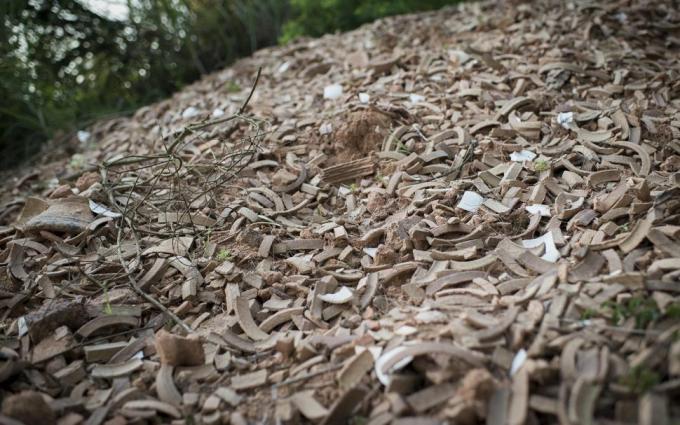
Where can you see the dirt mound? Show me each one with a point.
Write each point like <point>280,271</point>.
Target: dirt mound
<point>360,133</point>
<point>509,255</point>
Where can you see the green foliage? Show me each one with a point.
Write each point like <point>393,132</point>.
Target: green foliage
<point>107,304</point>
<point>644,310</point>
<point>223,255</point>
<point>317,17</point>
<point>673,311</point>
<point>62,65</point>
<point>641,379</point>
<point>233,87</point>
<point>401,148</point>
<point>588,313</point>
<point>541,165</point>
<point>358,420</point>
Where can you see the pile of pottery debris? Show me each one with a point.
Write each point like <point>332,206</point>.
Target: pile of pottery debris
<point>467,216</point>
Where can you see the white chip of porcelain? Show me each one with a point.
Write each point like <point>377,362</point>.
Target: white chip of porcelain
<point>283,67</point>
<point>189,112</point>
<point>518,361</point>
<point>23,326</point>
<point>406,330</point>
<point>342,296</point>
<point>102,210</point>
<point>565,119</point>
<point>325,128</point>
<point>522,156</point>
<point>551,253</point>
<point>471,201</point>
<point>84,136</point>
<point>540,209</point>
<point>333,91</point>
<point>383,377</point>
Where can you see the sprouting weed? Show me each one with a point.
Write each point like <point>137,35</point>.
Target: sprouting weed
<point>673,311</point>
<point>541,165</point>
<point>206,243</point>
<point>233,87</point>
<point>402,147</point>
<point>588,313</point>
<point>224,255</point>
<point>77,161</point>
<point>107,302</point>
<point>641,379</point>
<point>359,420</point>
<point>644,310</point>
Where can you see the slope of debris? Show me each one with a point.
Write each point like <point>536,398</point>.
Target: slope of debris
<point>468,216</point>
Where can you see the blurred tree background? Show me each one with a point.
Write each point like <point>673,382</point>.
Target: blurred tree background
<point>65,63</point>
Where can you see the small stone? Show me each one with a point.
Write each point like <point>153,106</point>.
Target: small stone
<point>373,325</point>
<point>283,177</point>
<point>385,255</point>
<point>285,346</point>
<point>271,277</point>
<point>476,388</point>
<point>28,407</point>
<point>62,191</point>
<point>86,180</point>
<point>95,192</point>
<point>352,322</point>
<point>178,350</point>
<point>374,202</point>
<point>249,237</point>
<point>211,403</point>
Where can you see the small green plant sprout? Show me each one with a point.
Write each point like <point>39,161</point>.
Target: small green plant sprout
<point>644,310</point>
<point>223,255</point>
<point>673,311</point>
<point>77,161</point>
<point>233,87</point>
<point>107,302</point>
<point>106,308</point>
<point>359,420</point>
<point>588,313</point>
<point>541,165</point>
<point>401,147</point>
<point>208,248</point>
<point>640,379</point>
<point>353,187</point>
<point>624,228</point>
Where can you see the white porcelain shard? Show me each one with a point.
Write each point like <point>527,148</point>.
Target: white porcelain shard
<point>333,91</point>
<point>551,253</point>
<point>471,201</point>
<point>540,209</point>
<point>523,155</point>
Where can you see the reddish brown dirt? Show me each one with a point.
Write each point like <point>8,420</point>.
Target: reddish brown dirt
<point>359,133</point>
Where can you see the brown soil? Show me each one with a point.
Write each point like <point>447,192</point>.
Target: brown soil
<point>360,133</point>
